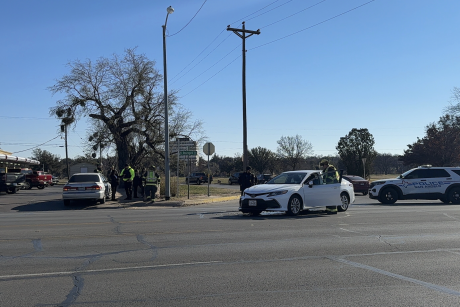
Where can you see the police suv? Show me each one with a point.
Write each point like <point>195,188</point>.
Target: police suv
<point>424,182</point>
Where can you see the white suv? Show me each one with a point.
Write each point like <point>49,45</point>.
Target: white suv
<point>424,182</point>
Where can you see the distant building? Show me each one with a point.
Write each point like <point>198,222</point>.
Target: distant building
<point>82,168</point>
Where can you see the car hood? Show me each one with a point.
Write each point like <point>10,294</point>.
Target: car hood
<point>261,188</point>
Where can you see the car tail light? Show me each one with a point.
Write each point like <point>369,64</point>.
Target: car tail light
<point>69,188</point>
<point>93,188</point>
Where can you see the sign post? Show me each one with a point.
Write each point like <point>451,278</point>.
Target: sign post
<point>208,150</point>
<point>188,153</point>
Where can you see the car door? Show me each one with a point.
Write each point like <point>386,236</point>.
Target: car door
<point>320,194</point>
<point>411,183</point>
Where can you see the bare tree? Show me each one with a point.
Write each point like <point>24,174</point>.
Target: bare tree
<point>261,159</point>
<point>124,94</point>
<point>293,149</point>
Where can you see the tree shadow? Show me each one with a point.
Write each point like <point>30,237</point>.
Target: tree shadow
<point>58,205</point>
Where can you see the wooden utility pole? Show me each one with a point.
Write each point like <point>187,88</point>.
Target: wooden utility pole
<point>245,131</point>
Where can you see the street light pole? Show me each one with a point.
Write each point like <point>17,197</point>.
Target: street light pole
<point>170,10</point>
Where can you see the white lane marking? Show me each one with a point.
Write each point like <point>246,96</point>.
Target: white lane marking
<point>412,280</point>
<point>107,270</point>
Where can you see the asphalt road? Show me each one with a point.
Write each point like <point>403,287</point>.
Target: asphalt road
<point>405,254</point>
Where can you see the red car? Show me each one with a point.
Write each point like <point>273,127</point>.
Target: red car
<point>360,184</point>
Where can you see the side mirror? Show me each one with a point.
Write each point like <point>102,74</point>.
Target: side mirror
<point>310,184</point>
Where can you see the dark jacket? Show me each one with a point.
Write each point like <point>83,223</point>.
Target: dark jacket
<point>246,180</point>
<point>114,177</point>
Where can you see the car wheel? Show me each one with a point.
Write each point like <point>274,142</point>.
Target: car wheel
<point>365,193</point>
<point>255,213</point>
<point>11,191</point>
<point>66,202</point>
<point>230,182</point>
<point>389,196</point>
<point>345,199</point>
<point>41,186</point>
<point>198,182</point>
<point>28,185</point>
<point>294,205</point>
<point>454,195</point>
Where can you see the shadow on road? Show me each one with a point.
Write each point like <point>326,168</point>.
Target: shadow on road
<point>276,216</point>
<point>58,205</point>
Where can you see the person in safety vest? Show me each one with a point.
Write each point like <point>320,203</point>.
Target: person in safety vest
<point>151,181</point>
<point>330,175</point>
<point>128,176</point>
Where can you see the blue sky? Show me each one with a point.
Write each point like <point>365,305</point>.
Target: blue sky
<point>388,66</point>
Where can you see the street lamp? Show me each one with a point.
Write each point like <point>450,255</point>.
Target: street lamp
<point>170,10</point>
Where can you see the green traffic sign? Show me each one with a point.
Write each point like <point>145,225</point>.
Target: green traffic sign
<point>188,153</point>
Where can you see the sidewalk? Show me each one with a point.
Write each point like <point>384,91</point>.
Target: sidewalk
<point>173,202</point>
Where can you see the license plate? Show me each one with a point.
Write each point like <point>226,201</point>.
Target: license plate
<point>361,183</point>
<point>81,188</point>
<point>253,203</point>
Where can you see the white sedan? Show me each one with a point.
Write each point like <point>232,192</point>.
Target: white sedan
<point>86,186</point>
<point>294,191</point>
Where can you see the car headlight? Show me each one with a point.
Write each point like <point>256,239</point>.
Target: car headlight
<point>278,193</point>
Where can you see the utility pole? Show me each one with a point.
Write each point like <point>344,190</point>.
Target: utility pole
<point>245,131</point>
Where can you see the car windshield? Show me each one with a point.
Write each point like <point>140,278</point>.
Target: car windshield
<point>288,178</point>
<point>403,175</point>
<point>355,178</point>
<point>85,178</point>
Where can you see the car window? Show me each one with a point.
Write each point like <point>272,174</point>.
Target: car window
<point>416,174</point>
<point>315,178</point>
<point>84,178</point>
<point>288,178</point>
<point>456,171</point>
<point>436,173</point>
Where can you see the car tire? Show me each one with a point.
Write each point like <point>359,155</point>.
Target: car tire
<point>28,185</point>
<point>11,191</point>
<point>294,205</point>
<point>454,195</point>
<point>230,182</point>
<point>365,193</point>
<point>41,187</point>
<point>255,213</point>
<point>389,196</point>
<point>66,202</point>
<point>345,199</point>
<point>198,182</point>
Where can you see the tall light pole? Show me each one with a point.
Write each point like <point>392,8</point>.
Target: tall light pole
<point>170,10</point>
<point>364,165</point>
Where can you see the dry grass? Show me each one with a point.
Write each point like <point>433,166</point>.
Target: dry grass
<point>374,177</point>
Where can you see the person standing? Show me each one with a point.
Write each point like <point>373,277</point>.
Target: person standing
<point>128,176</point>
<point>113,181</point>
<point>330,175</point>
<point>151,180</point>
<point>98,169</point>
<point>246,179</point>
<point>137,182</point>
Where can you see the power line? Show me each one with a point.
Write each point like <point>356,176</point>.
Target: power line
<point>203,58</point>
<point>190,20</point>
<point>317,24</point>
<point>212,76</point>
<point>261,10</point>
<point>292,15</point>
<point>37,145</point>
<point>210,66</point>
